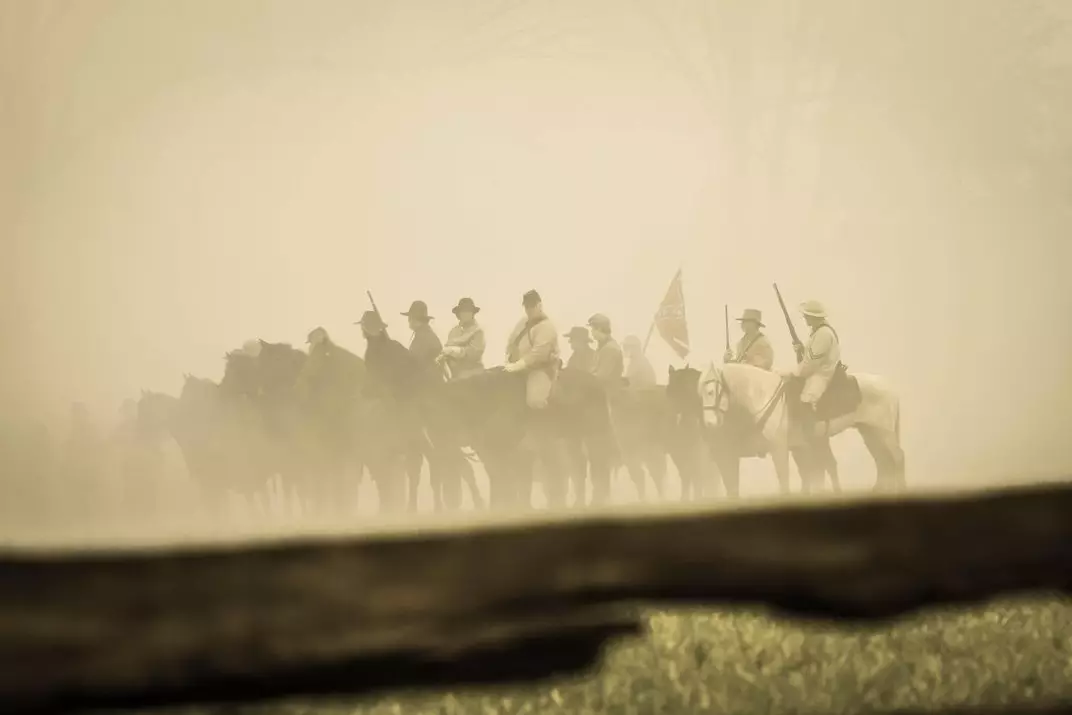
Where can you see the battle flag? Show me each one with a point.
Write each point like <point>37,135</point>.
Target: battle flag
<point>670,319</point>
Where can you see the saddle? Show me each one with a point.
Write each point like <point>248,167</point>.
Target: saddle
<point>842,395</point>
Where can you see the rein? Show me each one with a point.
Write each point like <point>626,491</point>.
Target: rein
<point>764,414</point>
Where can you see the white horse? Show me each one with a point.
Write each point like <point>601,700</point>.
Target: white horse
<point>763,395</point>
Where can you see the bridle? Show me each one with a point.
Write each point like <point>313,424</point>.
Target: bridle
<point>722,394</point>
<point>721,390</point>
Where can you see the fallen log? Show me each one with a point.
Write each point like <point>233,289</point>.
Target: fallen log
<point>494,604</point>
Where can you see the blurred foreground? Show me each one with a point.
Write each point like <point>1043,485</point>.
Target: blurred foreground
<point>1012,652</point>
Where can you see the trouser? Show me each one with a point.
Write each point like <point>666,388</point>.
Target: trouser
<point>538,383</point>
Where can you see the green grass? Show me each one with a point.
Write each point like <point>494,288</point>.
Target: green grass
<point>747,662</point>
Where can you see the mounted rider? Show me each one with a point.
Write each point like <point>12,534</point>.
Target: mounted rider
<point>464,352</point>
<point>391,368</point>
<point>821,356</point>
<point>609,364</point>
<point>639,373</point>
<point>754,348</point>
<point>582,356</point>
<point>533,349</point>
<point>425,345</point>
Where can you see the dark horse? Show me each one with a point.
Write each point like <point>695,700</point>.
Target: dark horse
<point>264,390</point>
<point>487,412</point>
<point>329,388</point>
<point>689,443</point>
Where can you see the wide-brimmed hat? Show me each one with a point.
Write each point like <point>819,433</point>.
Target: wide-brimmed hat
<point>813,308</point>
<point>372,320</point>
<point>578,333</point>
<point>531,298</point>
<point>465,304</point>
<point>753,315</point>
<point>600,322</point>
<point>418,309</point>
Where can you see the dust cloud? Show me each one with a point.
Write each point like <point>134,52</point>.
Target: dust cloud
<point>181,177</point>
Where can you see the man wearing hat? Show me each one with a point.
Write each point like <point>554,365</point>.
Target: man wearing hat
<point>754,348</point>
<point>425,345</point>
<point>821,356</point>
<point>464,353</point>
<point>609,364</point>
<point>533,349</point>
<point>638,370</point>
<point>391,369</point>
<point>582,356</point>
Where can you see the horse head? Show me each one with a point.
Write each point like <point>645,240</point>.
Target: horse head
<point>681,388</point>
<point>155,410</point>
<point>714,395</point>
<point>280,365</point>
<point>197,389</point>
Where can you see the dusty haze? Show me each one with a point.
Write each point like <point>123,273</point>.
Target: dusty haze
<point>182,176</point>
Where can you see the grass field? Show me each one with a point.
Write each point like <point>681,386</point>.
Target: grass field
<point>1015,651</point>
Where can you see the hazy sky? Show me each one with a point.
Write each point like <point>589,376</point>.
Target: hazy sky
<point>191,174</point>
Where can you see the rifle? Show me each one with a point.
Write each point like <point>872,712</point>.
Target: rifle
<point>726,322</point>
<point>376,310</point>
<point>798,346</point>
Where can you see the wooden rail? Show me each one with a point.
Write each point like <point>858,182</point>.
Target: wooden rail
<point>492,604</point>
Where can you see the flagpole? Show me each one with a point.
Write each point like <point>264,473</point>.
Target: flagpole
<point>651,329</point>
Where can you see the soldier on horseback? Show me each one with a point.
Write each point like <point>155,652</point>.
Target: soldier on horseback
<point>391,383</point>
<point>609,364</point>
<point>425,345</point>
<point>821,357</point>
<point>464,353</point>
<point>582,356</point>
<point>533,351</point>
<point>754,348</point>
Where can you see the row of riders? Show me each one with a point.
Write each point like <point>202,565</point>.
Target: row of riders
<point>316,419</point>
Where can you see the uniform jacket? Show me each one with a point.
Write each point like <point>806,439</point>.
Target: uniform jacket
<point>534,344</point>
<point>583,359</point>
<point>821,358</point>
<point>756,351</point>
<point>609,364</point>
<point>470,338</point>
<point>425,348</point>
<point>639,372</point>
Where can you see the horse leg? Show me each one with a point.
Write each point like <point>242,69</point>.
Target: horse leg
<point>880,454</point>
<point>601,453</point>
<point>830,466</point>
<point>577,464</point>
<point>655,461</point>
<point>727,460</point>
<point>413,463</point>
<point>780,456</point>
<point>809,466</point>
<point>636,474</point>
<point>468,478</point>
